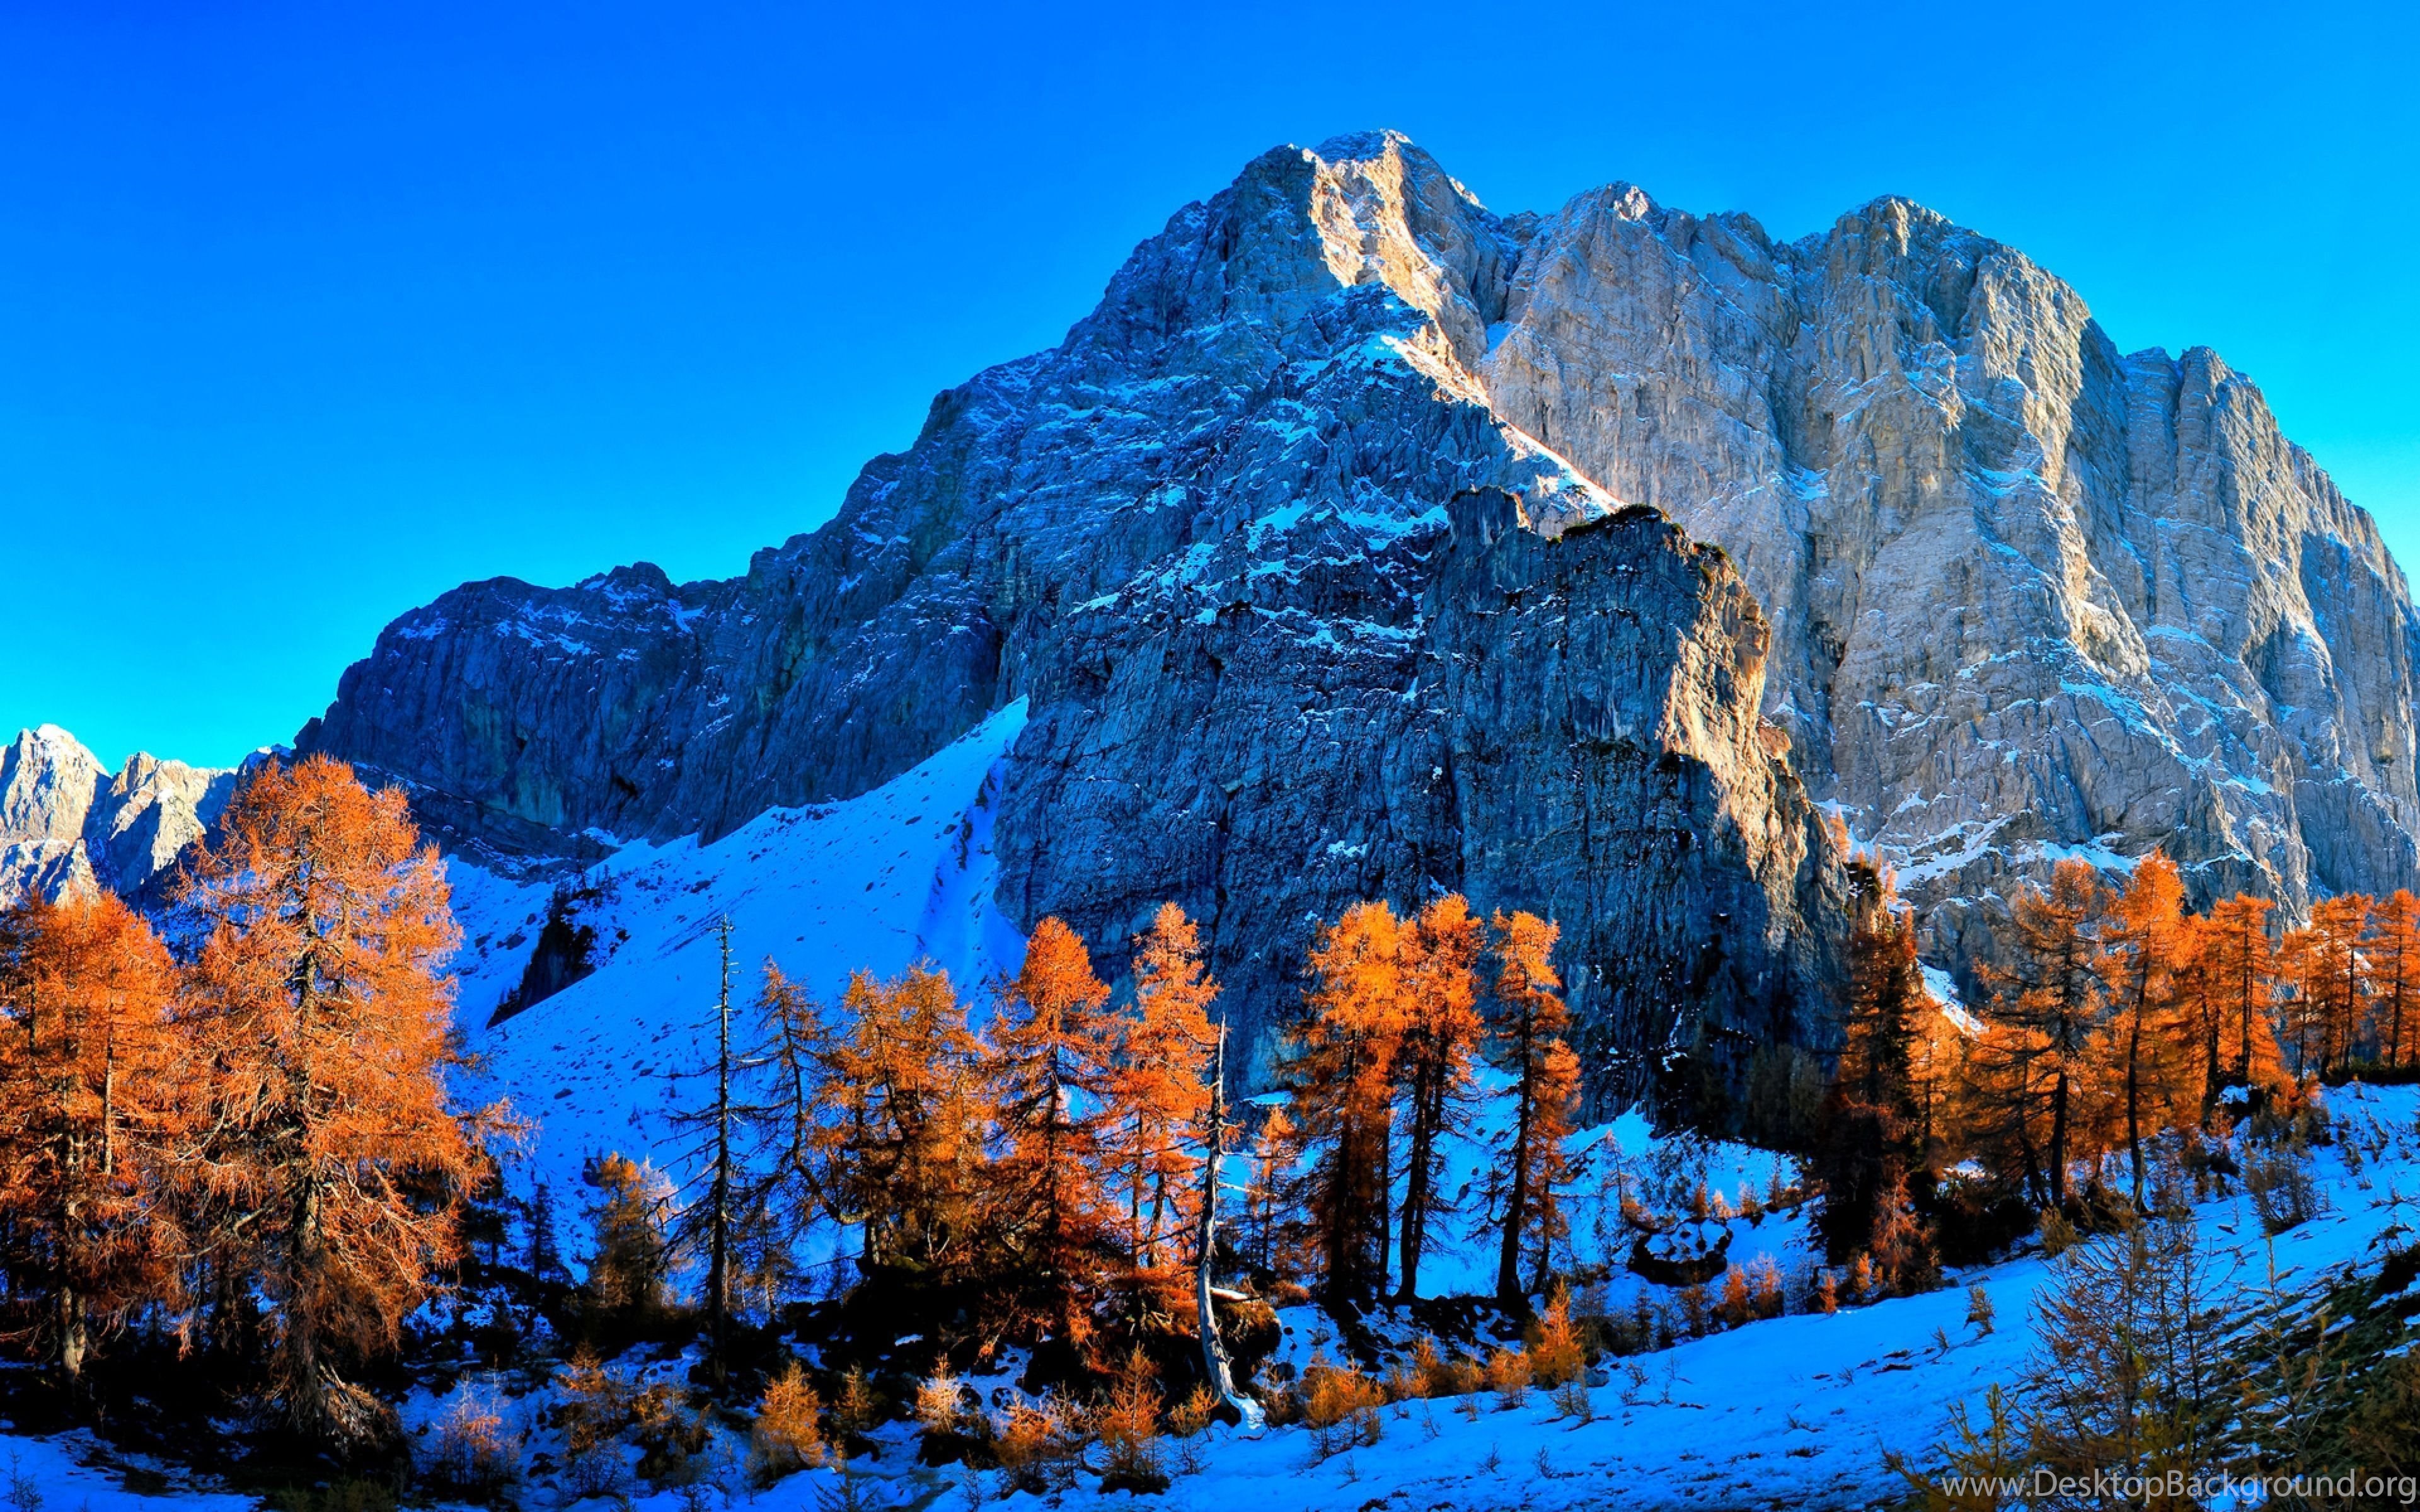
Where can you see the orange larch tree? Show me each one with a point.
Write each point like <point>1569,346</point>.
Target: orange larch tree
<point>92,1099</point>
<point>900,1149</point>
<point>1440,1032</point>
<point>1339,1071</point>
<point>2055,992</point>
<point>2201,1004</point>
<point>2393,952</point>
<point>334,1163</point>
<point>2336,978</point>
<point>1526,1042</point>
<point>2243,964</point>
<point>1158,1100</point>
<point>2151,1030</point>
<point>1050,1058</point>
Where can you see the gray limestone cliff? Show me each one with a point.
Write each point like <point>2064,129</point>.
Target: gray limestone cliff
<point>1214,539</point>
<point>1280,544</point>
<point>68,824</point>
<point>2032,597</point>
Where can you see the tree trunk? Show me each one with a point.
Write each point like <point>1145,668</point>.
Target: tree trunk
<point>1215,1360</point>
<point>1516,1200</point>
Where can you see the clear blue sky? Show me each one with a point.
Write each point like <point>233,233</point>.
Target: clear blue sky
<point>308,312</point>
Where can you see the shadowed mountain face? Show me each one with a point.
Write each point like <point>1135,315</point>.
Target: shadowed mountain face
<point>1304,546</point>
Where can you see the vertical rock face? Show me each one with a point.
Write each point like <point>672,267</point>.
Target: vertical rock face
<point>68,824</point>
<point>1304,547</point>
<point>2031,598</point>
<point>1208,537</point>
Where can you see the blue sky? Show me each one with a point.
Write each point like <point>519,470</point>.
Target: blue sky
<point>308,313</point>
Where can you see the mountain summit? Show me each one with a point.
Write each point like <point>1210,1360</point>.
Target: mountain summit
<point>1317,550</point>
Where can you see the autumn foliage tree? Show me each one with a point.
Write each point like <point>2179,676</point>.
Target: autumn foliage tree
<point>901,1149</point>
<point>1340,1068</point>
<point>1871,1149</point>
<point>1051,1064</point>
<point>2393,952</point>
<point>2242,960</point>
<point>2050,1004</point>
<point>1158,1097</point>
<point>2151,1038</point>
<point>1439,1032</point>
<point>92,1104</point>
<point>1528,1021</point>
<point>334,1164</point>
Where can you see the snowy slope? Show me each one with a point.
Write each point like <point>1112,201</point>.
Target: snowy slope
<point>901,874</point>
<point>1793,1412</point>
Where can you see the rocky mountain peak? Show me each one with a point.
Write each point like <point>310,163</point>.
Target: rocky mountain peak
<point>68,824</point>
<point>2014,597</point>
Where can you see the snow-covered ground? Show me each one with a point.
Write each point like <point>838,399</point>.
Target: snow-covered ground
<point>1792,1411</point>
<point>1797,1411</point>
<point>901,874</point>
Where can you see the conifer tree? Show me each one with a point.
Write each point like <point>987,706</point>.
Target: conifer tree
<point>902,1148</point>
<point>2339,977</point>
<point>1260,1237</point>
<point>1528,1021</point>
<point>2056,993</point>
<point>1340,1066</point>
<point>1158,1100</point>
<point>2243,962</point>
<point>2151,1032</point>
<point>2299,1011</point>
<point>713,1222</point>
<point>93,1103</point>
<point>630,1217</point>
<point>335,1165</point>
<point>1050,1056</point>
<point>2193,968</point>
<point>1440,1030</point>
<point>1869,1151</point>
<point>545,1258</point>
<point>788,1111</point>
<point>2394,953</point>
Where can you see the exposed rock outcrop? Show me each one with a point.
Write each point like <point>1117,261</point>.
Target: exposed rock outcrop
<point>2029,598</point>
<point>68,824</point>
<point>1208,537</point>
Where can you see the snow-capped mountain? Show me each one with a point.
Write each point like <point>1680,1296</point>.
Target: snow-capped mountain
<point>68,823</point>
<point>1299,620</point>
<point>1276,547</point>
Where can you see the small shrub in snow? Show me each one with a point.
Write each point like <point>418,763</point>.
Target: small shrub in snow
<point>670,1435</point>
<point>1980,1312</point>
<point>1188,1421</point>
<point>473,1453</point>
<point>593,1409</point>
<point>1508,1377</point>
<point>1128,1426</point>
<point>1695,1311</point>
<point>24,1491</point>
<point>2279,1181</point>
<point>787,1434</point>
<point>1039,1444</point>
<point>1339,1405</point>
<point>1557,1353</point>
<point>1768,1301</point>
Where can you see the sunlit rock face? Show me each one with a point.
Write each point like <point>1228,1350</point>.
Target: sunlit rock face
<point>1316,551</point>
<point>1248,542</point>
<point>68,825</point>
<point>2031,599</point>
